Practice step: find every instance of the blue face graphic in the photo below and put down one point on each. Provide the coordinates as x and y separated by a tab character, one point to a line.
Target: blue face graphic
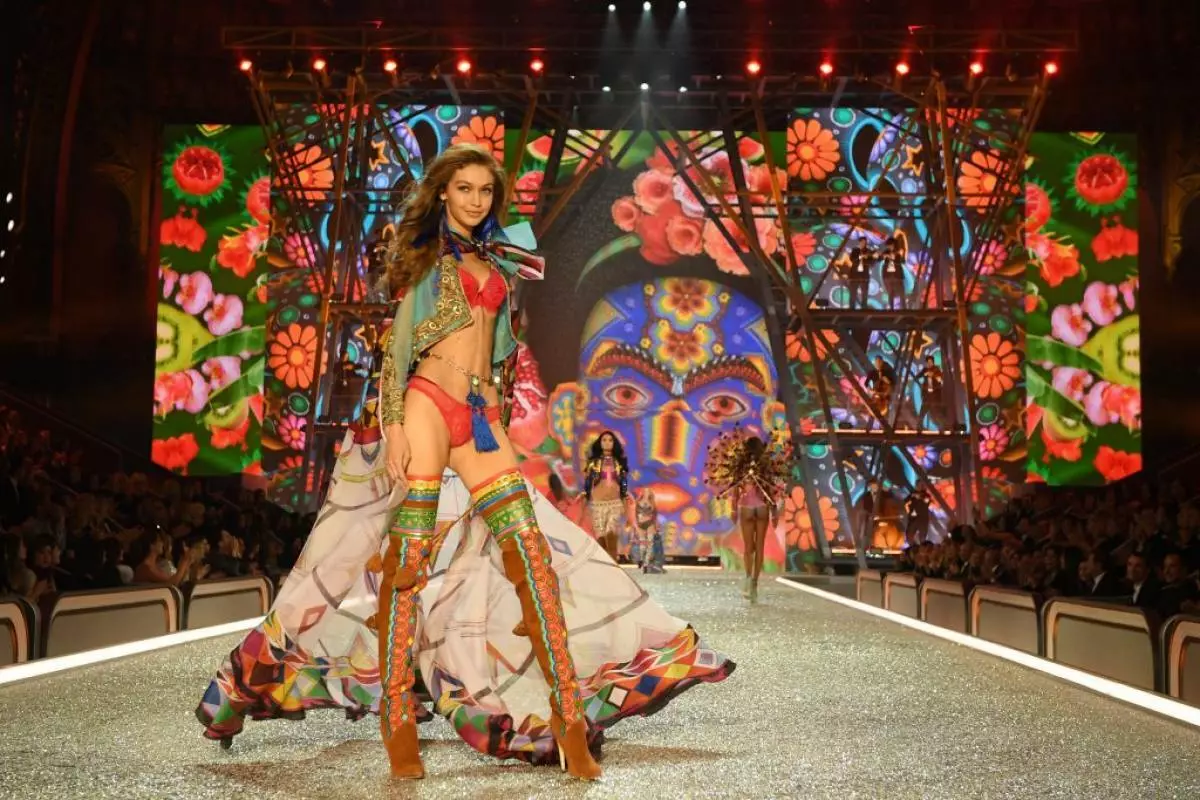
668	365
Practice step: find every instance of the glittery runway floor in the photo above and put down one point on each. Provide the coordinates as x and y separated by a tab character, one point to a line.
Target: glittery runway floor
827	702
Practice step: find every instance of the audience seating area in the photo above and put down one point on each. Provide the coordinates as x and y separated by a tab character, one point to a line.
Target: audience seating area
87	620
1119	642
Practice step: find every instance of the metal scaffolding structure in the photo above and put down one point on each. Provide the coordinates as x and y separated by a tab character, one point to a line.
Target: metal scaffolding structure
582	114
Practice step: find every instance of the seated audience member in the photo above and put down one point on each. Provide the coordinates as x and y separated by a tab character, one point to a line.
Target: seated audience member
150	566
1187	538
1059	580
992	570
1177	589
227	561
1142	585
112	573
1096	579
17	577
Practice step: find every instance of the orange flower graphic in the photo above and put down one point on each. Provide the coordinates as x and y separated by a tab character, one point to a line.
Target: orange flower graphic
978	178
292	355
812	150
487	132
995	365
797	524
314	170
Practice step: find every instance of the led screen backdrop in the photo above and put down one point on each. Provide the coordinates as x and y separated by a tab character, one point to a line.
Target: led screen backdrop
1084	412
208	403
647	324
849	150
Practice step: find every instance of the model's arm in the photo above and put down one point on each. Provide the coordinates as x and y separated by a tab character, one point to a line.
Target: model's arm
393	381
587	481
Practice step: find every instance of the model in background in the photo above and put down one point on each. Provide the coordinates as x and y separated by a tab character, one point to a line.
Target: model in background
754	476
646	542
606	484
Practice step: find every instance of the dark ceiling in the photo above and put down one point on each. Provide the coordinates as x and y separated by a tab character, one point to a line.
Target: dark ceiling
166	55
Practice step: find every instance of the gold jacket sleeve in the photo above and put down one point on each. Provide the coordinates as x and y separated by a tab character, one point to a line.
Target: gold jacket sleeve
397	358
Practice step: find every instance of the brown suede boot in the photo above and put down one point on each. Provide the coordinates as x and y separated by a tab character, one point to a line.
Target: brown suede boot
526	561
397	616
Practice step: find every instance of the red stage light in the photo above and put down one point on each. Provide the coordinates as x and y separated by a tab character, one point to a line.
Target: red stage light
1051	67
245	65
753	67
319	64
464	66
976	68
902	68
826	68
390	65
537	65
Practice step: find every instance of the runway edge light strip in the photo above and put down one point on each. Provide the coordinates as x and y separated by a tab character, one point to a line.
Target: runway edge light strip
1150	701
49	666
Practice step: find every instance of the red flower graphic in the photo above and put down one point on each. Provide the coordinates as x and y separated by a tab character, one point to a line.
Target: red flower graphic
240	251
651	189
176	452
652	230
685	235
526	191
183	231
232	437
1114	241
1060	263
1114	465
625	213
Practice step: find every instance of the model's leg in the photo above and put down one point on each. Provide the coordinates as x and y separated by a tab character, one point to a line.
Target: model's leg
746	522
760	542
405	573
612	537
499	496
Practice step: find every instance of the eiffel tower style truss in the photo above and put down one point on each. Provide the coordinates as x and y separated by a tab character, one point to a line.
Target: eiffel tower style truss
950	153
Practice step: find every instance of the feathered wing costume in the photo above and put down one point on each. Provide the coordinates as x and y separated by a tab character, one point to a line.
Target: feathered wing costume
729	465
317	648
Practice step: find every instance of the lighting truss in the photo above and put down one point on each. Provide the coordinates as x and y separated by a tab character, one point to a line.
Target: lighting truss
568	107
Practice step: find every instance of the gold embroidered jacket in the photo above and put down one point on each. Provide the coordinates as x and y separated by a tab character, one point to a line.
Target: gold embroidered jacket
437	306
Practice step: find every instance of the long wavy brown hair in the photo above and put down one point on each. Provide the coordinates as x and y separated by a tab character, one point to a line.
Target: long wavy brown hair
414	248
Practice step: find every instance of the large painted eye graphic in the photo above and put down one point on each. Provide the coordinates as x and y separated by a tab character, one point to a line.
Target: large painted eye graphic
722	407
626	399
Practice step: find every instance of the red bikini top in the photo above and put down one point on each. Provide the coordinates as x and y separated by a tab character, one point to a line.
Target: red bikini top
490	296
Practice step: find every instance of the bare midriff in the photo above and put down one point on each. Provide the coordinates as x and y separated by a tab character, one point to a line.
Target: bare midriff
469	347
608	487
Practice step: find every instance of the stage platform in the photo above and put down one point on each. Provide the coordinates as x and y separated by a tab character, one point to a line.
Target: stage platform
827	702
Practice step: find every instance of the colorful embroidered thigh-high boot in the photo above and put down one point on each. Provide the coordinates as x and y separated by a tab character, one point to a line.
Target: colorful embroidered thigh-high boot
505	505
405	573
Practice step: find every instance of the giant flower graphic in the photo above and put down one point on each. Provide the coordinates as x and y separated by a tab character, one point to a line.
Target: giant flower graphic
995	365
486	132
687	300
978	177
797	523
313	170
682	350
813	152
293	355
992	441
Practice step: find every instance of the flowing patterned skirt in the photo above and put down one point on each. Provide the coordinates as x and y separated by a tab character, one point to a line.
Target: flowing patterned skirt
314	649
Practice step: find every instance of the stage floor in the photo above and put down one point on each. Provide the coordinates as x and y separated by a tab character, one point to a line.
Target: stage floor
827	702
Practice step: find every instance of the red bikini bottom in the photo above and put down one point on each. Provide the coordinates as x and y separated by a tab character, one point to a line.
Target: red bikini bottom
456	414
